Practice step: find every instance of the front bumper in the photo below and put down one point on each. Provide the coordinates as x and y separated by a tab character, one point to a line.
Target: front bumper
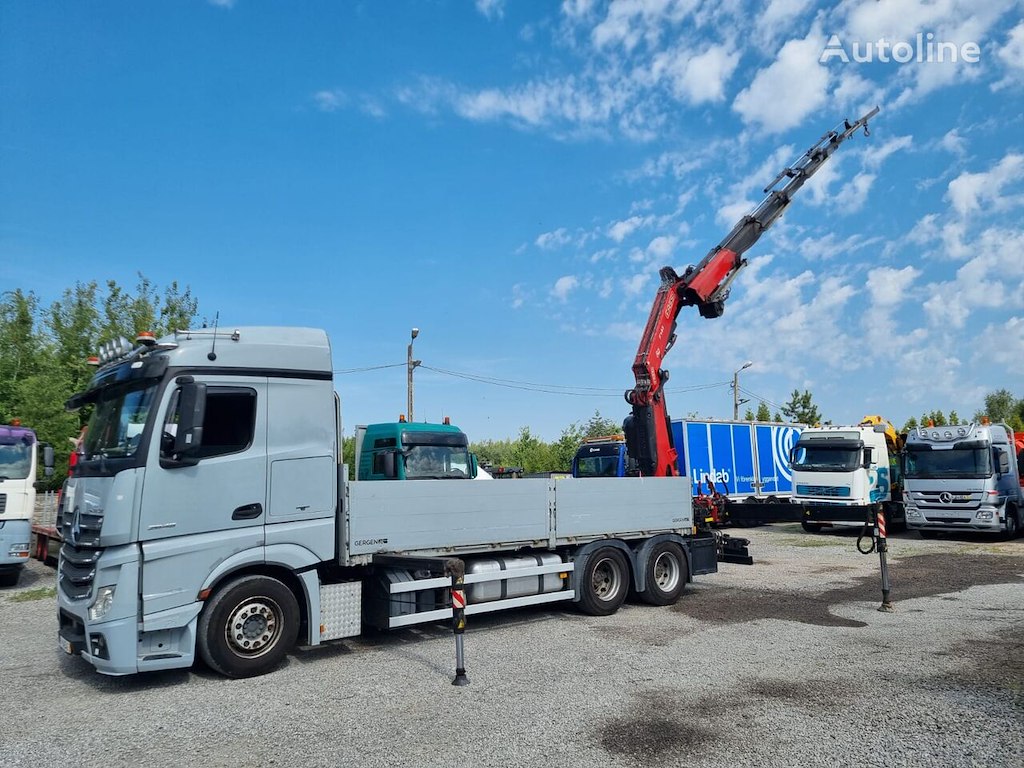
15	544
986	519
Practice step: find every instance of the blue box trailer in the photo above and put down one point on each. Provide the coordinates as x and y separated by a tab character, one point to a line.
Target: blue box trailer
749	459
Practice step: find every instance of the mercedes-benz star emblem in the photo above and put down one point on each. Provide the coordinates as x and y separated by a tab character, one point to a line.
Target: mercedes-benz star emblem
946	497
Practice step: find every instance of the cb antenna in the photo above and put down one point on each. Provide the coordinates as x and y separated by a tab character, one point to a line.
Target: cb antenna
212	354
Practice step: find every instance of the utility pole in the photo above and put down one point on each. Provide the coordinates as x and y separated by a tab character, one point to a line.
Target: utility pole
736	391
411	364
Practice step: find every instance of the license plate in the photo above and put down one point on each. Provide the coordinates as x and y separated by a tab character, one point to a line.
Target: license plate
65	645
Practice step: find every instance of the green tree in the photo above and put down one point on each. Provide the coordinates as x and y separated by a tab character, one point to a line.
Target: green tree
934	419
910	424
749	415
954	418
531	453
763	414
1003	406
21	349
801	408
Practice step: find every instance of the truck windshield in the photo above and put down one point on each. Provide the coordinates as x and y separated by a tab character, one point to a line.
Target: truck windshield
597	466
826	459
117	423
958	462
436	462
16	460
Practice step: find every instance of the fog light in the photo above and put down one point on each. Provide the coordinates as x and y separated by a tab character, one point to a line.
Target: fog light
98	646
104	601
913	514
984	514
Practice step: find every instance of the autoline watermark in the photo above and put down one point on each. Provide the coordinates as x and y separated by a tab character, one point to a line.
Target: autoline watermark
924	48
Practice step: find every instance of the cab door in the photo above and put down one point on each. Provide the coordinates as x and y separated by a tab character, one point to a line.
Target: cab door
194	517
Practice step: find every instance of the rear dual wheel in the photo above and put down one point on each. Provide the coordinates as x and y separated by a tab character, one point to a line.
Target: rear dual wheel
605	582
667	574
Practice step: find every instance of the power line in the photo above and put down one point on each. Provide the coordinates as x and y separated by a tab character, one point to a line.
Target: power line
764	400
344	371
532	386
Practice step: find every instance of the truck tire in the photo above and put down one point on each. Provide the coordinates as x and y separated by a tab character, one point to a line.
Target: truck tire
605	582
248	626
810	527
10	579
926	534
666	574
1012	524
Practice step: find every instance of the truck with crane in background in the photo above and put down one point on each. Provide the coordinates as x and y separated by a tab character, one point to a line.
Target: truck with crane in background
706	285
728	463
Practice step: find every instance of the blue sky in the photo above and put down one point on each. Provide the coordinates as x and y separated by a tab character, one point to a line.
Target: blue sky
509	178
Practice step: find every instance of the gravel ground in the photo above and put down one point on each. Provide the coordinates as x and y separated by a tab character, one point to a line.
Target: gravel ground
784	663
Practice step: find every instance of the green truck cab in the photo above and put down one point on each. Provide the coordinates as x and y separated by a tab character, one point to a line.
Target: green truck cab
413	451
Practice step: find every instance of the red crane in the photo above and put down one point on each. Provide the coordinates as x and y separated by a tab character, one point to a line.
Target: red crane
706	286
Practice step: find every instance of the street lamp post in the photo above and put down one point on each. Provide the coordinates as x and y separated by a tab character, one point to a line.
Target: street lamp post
410	365
736	390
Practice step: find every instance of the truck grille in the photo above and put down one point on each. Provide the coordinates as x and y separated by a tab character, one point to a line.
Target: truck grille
81	527
77	570
831	491
952	501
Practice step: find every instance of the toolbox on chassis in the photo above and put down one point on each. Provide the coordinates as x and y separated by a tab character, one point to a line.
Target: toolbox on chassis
212	515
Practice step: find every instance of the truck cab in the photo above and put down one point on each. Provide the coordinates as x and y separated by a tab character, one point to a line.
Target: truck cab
603	457
19	462
841	474
963	478
413	451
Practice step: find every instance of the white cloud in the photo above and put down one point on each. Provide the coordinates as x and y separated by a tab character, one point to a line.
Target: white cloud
953	142
222	3
1011	54
620	230
633	286
783	94
888	287
330	100
492	9
697	79
778	17
854	193
876	154
552	240
1008	352
968	190
564	286
661	247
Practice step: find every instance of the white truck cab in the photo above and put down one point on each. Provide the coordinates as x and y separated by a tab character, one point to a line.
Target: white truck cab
841	474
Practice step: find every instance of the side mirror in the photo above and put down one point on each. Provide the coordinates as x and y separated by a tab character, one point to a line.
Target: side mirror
389	465
473	468
188	437
48	460
1004	463
868	456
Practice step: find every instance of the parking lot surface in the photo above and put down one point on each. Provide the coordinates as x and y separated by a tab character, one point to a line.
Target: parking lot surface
787	662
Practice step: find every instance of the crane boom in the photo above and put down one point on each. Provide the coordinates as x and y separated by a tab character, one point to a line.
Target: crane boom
706	286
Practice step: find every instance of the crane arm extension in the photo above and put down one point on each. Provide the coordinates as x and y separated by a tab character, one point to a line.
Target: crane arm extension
706	286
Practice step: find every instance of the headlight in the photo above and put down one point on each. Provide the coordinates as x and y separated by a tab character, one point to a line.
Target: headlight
985	514
912	513
104	601
18	550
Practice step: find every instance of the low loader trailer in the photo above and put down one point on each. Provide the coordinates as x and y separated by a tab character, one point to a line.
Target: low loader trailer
212	517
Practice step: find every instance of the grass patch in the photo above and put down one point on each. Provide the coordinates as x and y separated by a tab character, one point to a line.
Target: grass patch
39	593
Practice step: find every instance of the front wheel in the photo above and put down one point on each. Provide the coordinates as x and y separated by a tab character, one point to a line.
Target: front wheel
666	574
605	582
1012	524
248	626
810	527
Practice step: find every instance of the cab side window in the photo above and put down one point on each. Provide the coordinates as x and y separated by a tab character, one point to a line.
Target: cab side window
229	423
